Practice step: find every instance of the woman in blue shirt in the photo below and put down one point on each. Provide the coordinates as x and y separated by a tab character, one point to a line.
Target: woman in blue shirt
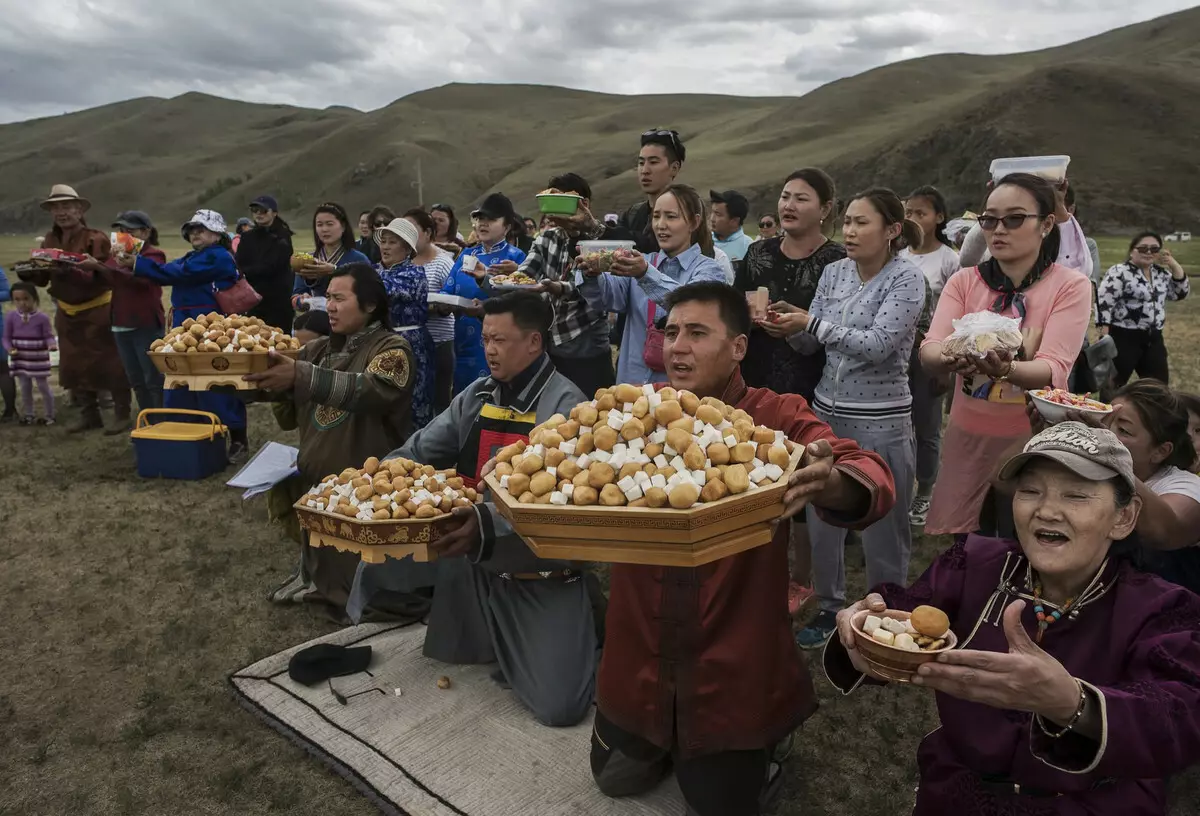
638	285
334	242
491	223
408	307
194	280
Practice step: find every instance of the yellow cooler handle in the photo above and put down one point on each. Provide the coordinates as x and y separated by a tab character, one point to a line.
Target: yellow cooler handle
211	417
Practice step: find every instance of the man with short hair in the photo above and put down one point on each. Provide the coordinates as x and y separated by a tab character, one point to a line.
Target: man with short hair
700	671
730	210
579	334
494	600
659	162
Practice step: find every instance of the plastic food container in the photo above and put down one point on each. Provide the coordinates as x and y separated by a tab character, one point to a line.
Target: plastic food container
179	450
588	247
558	203
1051	168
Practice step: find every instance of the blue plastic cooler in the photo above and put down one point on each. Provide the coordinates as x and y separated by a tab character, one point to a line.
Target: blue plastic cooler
191	450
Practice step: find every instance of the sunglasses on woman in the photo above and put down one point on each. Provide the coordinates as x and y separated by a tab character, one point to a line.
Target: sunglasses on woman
765	224
1149	250
989	222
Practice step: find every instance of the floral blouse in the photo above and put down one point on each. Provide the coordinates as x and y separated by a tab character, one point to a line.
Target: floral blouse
1128	301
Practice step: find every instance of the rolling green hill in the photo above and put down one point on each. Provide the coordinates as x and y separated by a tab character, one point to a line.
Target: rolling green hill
1125	105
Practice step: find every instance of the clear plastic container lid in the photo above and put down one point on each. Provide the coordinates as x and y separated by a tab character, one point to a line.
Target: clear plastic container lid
1052	168
587	247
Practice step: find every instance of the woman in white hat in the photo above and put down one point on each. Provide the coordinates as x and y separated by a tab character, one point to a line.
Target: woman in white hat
195	280
88	359
408	304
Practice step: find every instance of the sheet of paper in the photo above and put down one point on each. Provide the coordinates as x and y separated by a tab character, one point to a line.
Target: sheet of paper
273	463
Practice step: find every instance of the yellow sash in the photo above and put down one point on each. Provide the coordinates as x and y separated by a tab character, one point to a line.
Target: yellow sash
72	309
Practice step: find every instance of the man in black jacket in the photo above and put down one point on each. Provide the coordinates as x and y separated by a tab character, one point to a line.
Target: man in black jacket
264	258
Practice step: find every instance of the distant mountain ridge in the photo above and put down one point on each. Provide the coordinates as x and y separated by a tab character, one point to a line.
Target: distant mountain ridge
1125	105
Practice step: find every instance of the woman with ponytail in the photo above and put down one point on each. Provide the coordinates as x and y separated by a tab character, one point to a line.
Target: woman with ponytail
864	315
1021	280
937	259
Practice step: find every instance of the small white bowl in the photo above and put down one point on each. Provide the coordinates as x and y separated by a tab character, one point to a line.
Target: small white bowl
1053	412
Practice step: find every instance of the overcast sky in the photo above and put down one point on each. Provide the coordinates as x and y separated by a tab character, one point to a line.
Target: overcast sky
64	55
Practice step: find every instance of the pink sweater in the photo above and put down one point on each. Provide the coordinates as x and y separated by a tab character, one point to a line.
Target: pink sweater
1062	293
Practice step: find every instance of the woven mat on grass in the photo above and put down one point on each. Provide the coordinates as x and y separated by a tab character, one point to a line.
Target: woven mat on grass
471	750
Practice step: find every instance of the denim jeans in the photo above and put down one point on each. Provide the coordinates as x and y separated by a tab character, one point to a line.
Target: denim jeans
144	378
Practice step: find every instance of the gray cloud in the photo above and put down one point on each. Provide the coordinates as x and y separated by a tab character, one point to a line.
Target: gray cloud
72	54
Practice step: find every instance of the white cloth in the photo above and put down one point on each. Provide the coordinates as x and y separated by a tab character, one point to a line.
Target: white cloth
726	265
1173	481
938	266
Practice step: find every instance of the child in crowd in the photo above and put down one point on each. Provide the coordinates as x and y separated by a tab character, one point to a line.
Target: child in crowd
28	340
1192	403
310	326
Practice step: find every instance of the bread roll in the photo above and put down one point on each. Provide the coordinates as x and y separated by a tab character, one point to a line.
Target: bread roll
743	431
668	411
714	490
679	439
504	469
606	403
585	444
569	429
743	452
683	423
627	393
552	439
761	452
718	453
649	423
567	470
399	514
581	479
611	496
694	458
657	497
641	406
737	479
426	511
364	492
628	469
605	438
518	483
763	435
668	393
778	455
370	466
689	402
584	496
530	464
684	495
653	449
633	429
709	414
542	483
600	474
554	457
587	416
527	497
930	621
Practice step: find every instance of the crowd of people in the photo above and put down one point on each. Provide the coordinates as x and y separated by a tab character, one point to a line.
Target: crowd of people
698	670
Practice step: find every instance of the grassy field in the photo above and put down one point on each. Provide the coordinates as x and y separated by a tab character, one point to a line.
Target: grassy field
127	602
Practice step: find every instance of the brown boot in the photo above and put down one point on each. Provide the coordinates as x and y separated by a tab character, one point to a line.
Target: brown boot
89	413
119	425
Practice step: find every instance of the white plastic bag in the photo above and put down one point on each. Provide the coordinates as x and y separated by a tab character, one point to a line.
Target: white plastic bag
978	333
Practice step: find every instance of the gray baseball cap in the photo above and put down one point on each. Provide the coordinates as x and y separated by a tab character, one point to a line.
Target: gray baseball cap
1093	453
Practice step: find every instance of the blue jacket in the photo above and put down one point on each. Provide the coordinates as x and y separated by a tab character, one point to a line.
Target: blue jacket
194	280
5	289
317	288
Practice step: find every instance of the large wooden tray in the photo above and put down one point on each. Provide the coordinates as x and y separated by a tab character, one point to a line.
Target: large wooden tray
690	531
374	541
655	554
203	370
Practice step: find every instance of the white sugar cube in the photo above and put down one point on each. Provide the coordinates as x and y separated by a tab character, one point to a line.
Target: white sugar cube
905	641
553	471
504	481
725	425
620	447
584	462
601	456
654	400
669	451
627	407
872	623
539	450
754	486
615	420
908	627
884	636
437	500
678	464
648	390
618	460
675	479
757	464
896	627
659	437
779	437
697	427
699	478
637	444
658	480
757	475
558	497
441	477
703	442
640	458
642	478
633	494
730	441
661	461
774	472
627	484
568	489
567	446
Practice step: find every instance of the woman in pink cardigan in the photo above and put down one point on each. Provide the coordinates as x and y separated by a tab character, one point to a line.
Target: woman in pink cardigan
1021	280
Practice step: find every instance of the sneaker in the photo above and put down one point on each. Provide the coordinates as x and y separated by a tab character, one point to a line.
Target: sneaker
798	598
239	452
918	511
46	421
816	633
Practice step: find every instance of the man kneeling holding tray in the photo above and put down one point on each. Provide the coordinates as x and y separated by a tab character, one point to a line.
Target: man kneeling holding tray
700	670
494	600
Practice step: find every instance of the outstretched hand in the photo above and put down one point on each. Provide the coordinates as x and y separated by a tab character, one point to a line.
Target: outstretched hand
281	376
810	479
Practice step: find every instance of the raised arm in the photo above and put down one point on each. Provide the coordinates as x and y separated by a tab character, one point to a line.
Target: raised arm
193	268
895	321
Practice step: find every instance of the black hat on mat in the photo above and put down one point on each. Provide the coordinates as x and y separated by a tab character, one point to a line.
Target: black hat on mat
325	660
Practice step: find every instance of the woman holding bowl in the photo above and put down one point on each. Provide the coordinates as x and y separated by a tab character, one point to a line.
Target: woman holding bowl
335	246
1052	304
1132	303
1075	687
407	287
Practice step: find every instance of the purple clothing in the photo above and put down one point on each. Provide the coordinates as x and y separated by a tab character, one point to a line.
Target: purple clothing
31	336
1136	644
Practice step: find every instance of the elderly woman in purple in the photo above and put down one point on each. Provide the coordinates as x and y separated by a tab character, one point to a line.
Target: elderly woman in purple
1076	685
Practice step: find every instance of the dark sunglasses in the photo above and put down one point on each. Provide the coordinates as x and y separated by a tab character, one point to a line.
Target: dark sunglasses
765	224
257	210
344	699
670	134
989	222
1148	250
380	224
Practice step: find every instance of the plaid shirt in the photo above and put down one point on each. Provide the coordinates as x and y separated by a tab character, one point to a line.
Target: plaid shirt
550	259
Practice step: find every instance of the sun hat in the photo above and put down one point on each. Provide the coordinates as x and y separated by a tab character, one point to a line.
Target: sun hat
403	229
63	192
209	219
325	660
133	219
1092	453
